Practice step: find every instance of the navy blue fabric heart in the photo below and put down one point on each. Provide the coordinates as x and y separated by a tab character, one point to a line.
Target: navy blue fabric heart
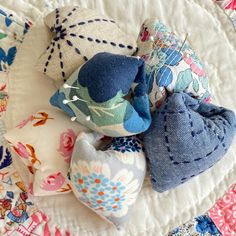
186	138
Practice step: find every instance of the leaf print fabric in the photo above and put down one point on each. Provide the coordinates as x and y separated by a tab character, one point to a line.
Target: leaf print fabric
171	64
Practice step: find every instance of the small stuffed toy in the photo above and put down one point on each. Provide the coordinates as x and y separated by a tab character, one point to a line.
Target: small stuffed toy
96	95
77	35
171	64
108	181
186	138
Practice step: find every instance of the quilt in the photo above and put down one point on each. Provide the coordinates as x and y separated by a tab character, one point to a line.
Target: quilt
15	21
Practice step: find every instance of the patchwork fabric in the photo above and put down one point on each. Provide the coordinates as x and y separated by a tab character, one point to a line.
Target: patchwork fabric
79	34
11	35
39	225
223	213
108	181
44	142
171	64
199	226
15	206
186	138
5	155
229	7
94	95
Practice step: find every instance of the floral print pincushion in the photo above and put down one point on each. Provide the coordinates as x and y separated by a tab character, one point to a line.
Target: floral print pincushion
108	181
44	142
171	64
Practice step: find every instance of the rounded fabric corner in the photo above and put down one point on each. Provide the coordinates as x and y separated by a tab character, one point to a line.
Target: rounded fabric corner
185	139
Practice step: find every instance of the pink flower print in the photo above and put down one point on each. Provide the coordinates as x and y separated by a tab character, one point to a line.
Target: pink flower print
208	99
231	5
25	122
194	66
223	213
53	182
67	141
21	150
144	34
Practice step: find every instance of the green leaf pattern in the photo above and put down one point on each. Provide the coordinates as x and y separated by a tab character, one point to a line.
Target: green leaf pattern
183	80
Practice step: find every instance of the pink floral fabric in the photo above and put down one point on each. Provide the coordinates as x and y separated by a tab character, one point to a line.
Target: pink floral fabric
38	225
223	214
67	141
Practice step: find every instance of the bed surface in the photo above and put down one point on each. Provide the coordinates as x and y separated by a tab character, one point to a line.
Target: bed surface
212	36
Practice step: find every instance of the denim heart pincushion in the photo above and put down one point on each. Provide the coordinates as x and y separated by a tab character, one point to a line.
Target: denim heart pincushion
185	138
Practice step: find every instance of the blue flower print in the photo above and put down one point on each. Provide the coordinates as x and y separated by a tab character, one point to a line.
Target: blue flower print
99	180
125	144
6	59
164	75
205	225
106	194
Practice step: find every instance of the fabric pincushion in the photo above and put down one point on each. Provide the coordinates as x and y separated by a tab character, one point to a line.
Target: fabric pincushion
94	95
79	34
44	142
186	138
171	64
108	181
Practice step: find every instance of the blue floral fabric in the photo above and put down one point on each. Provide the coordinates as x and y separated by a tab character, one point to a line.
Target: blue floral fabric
94	95
199	226
171	64
108	181
126	144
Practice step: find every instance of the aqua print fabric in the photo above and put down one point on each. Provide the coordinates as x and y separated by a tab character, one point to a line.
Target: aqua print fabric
95	95
186	138
171	64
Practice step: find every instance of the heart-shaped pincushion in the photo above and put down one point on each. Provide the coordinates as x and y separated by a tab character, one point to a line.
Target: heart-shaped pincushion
186	138
108	181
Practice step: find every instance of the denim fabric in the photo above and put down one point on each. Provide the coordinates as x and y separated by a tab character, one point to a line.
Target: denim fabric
186	138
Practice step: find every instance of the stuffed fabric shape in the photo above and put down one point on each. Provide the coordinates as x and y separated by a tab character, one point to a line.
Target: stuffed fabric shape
108	181
171	64
94	95
79	34
44	142
186	138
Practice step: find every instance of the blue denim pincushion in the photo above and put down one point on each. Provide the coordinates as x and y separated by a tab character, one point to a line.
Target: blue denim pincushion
186	138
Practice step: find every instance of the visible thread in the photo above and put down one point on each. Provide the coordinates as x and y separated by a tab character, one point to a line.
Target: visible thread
90	39
192	133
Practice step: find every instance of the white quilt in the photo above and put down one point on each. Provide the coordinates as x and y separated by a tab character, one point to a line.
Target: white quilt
211	34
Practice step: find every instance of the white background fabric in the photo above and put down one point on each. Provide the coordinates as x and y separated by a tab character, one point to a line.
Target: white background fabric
211	34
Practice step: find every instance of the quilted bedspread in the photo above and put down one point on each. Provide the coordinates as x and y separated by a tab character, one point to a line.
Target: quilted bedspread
193	206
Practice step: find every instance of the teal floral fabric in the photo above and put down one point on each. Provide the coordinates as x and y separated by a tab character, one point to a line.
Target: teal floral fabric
171	64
